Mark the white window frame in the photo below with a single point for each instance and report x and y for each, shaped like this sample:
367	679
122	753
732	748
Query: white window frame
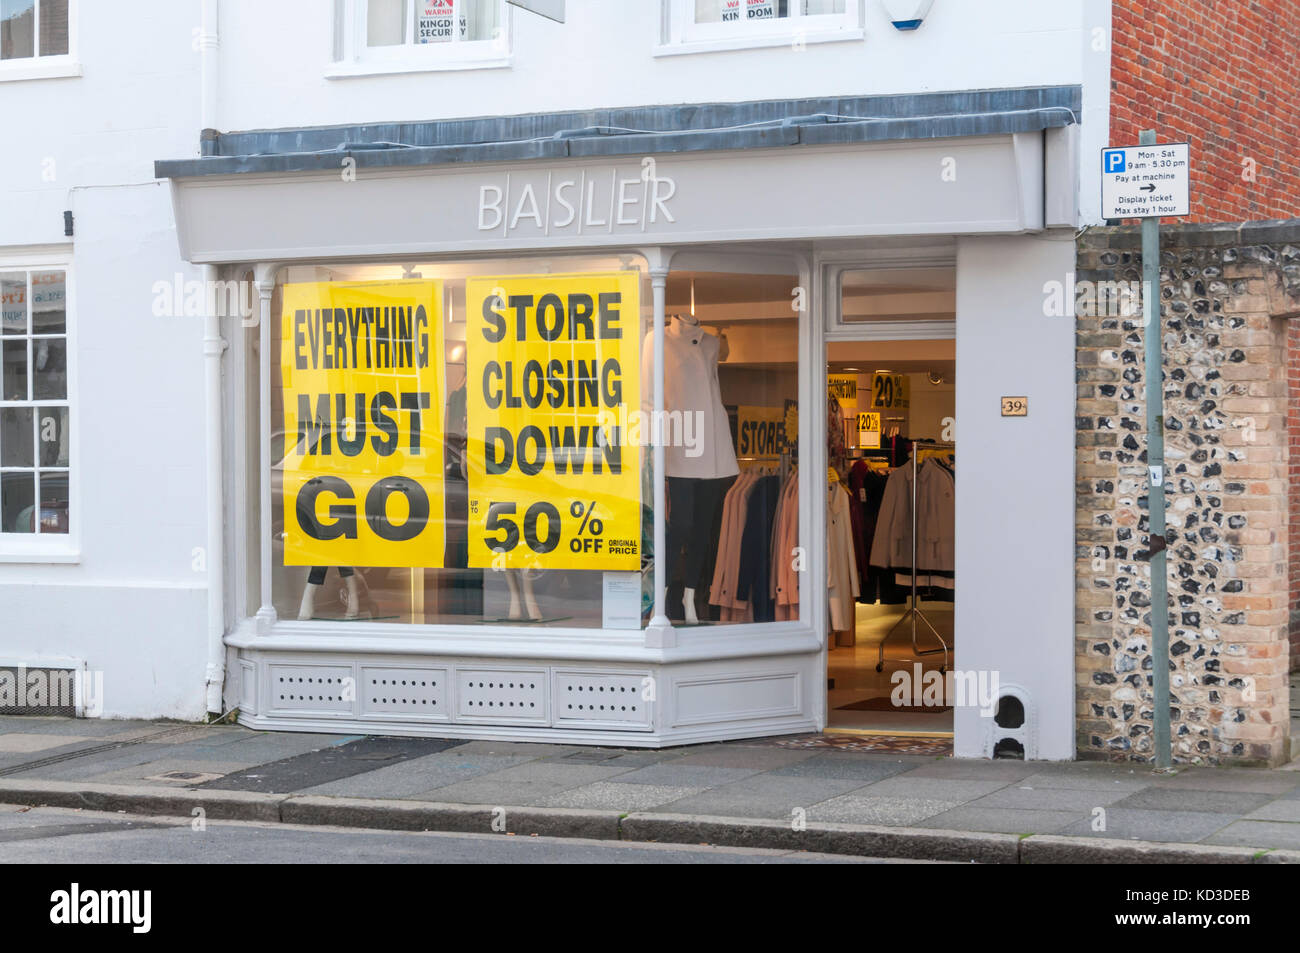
45	67
351	56
52	547
681	34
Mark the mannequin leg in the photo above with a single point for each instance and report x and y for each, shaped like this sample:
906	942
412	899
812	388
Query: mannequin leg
688	604
530	598
350	581
512	580
314	580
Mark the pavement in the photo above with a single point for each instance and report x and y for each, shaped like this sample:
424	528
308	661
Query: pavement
821	794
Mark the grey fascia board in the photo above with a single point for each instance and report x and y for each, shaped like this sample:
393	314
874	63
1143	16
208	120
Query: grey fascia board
689	128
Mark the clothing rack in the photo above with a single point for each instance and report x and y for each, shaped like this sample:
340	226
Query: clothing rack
914	612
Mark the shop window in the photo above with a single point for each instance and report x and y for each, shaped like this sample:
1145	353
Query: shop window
725	24
35	411
471	444
413	35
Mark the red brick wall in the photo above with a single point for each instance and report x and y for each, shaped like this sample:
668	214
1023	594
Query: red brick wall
1223	75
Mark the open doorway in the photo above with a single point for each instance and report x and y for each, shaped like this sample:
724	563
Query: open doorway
891	449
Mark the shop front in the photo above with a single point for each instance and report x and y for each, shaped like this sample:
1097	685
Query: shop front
541	443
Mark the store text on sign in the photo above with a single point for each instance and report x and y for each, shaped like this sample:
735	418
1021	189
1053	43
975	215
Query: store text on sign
552	365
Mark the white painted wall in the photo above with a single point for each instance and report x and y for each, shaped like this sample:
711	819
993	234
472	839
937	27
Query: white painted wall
1015	483
133	606
604	56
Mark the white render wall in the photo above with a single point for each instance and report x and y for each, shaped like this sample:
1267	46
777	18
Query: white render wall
133	607
1015	484
603	55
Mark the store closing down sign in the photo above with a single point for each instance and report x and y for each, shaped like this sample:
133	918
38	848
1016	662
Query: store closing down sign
844	388
361	366
760	434
868	430
1146	181
554	377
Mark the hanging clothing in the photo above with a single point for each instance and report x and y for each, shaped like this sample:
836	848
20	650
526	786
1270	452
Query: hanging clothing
754	581
722	591
935	551
785	578
841	572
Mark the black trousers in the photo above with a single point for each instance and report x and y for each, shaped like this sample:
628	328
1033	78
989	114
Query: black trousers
317	574
694	510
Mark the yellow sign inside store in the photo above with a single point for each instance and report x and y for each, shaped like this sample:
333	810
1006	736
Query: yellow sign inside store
890	392
361	369
760	434
554	394
844	388
868	430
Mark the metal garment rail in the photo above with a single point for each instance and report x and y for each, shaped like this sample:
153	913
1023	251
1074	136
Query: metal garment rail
914	611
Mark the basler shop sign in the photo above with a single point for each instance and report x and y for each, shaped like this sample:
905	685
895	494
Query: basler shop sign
554	480
361	366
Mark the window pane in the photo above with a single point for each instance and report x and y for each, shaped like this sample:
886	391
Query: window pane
50	359
54	27
483	19
54	502
434	18
384	22
13	381
17	502
735	11
451	584
52	436
49	302
16	437
13	301
17	29
898	294
815	8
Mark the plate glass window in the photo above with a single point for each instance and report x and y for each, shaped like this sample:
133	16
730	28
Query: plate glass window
35	462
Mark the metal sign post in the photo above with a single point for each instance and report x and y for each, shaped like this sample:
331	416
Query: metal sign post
1147	182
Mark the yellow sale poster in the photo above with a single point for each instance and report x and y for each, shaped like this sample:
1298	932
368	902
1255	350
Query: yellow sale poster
554	383
361	367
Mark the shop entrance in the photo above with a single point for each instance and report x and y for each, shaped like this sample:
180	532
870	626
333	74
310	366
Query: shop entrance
890	368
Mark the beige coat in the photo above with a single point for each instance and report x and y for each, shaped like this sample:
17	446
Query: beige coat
841	565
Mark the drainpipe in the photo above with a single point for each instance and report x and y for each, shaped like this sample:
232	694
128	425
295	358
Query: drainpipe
213	348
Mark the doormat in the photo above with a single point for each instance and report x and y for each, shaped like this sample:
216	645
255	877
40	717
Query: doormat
884	703
891	744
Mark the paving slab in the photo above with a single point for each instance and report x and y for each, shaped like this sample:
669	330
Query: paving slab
614	796
1234	803
1125	823
526	784
1244	833
672	774
847	769
889	811
418	777
28	742
1282	809
938	789
299	772
764	759
1048	799
1126	782
966	769
145	772
1001	820
1246	780
762	796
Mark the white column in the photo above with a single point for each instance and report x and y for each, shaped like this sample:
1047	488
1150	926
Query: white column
660	632
265	284
213	348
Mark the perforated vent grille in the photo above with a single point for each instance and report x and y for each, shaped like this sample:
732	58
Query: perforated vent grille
501	695
600	699
418	692
313	688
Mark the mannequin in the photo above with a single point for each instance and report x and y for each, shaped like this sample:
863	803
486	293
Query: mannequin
699	459
315	579
521	588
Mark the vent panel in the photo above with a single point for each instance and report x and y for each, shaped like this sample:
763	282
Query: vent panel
420	693
312	688
599	700
517	695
